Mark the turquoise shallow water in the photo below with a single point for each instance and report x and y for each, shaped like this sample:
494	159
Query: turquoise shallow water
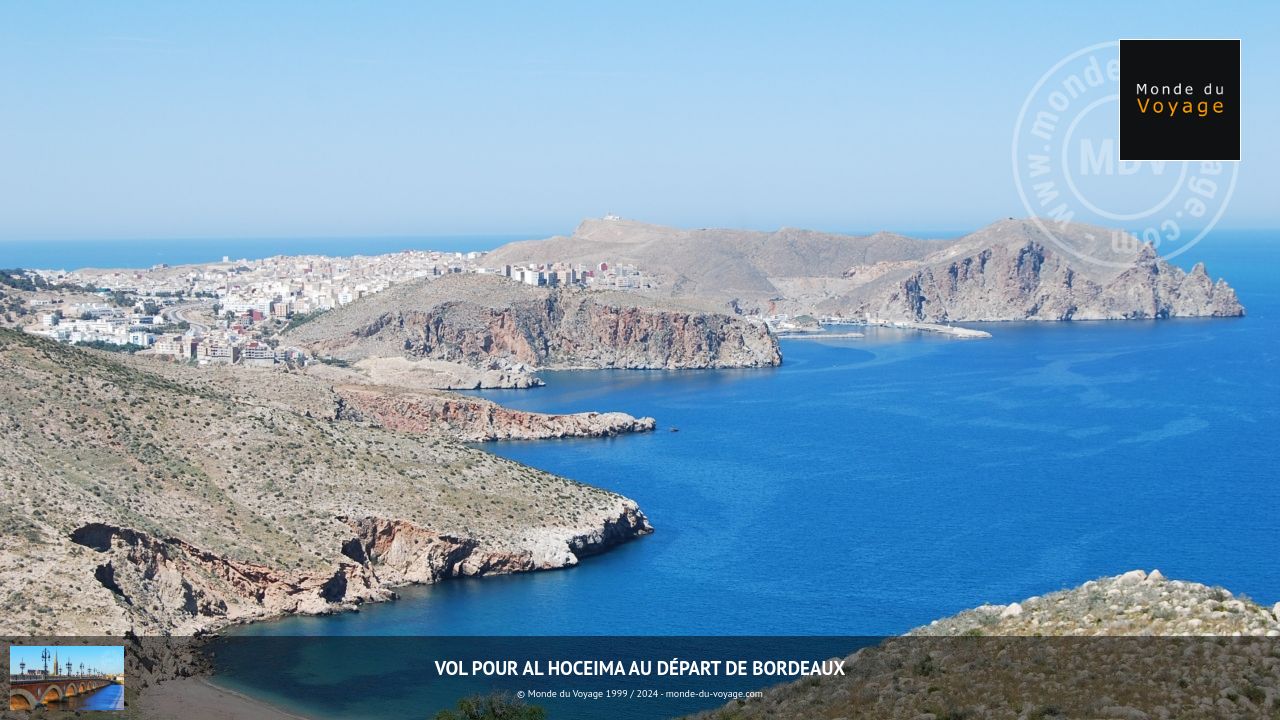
869	486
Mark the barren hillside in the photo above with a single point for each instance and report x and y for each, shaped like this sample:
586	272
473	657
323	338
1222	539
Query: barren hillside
1135	646
1009	270
167	499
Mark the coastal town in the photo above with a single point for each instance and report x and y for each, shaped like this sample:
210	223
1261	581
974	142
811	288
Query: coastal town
230	311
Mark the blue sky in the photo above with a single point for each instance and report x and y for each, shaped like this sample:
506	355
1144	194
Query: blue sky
108	659
229	119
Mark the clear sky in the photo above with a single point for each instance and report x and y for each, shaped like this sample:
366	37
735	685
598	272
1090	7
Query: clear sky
229	119
108	659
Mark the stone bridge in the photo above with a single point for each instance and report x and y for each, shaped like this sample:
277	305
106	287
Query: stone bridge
28	693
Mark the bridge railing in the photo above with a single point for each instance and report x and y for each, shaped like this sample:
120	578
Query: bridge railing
56	678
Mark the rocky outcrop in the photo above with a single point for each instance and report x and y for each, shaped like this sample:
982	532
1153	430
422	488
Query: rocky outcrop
477	320
474	419
581	334
397	552
172	583
1136	645
1011	271
1134	603
168	582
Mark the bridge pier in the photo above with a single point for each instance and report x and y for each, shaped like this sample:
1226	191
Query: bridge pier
27	694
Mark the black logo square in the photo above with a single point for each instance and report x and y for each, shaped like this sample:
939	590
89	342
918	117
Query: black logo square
1179	99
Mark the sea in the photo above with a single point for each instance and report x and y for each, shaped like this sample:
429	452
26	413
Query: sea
866	487
75	254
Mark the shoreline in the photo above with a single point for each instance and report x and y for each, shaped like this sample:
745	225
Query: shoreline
200	698
939	328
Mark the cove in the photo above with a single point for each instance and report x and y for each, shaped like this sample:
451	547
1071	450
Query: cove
869	486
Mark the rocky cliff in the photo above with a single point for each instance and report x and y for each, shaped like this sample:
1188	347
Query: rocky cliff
396	552
477	320
1133	646
473	419
172	584
190	499
1011	271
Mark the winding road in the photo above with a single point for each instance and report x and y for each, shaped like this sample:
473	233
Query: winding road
177	314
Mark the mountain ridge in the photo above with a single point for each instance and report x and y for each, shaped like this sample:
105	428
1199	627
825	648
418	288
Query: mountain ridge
1008	270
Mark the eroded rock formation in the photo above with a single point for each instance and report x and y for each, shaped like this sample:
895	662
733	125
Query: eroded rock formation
474	419
479	319
1029	279
171	583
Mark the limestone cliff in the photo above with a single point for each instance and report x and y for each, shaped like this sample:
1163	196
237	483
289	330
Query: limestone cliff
481	319
170	583
396	552
474	419
1011	271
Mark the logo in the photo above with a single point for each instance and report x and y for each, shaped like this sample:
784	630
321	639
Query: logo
1068	169
1180	100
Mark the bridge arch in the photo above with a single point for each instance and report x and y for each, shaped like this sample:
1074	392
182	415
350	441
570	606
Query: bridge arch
20	699
52	694
70	689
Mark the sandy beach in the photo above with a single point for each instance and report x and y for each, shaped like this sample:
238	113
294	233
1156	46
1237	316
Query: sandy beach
199	699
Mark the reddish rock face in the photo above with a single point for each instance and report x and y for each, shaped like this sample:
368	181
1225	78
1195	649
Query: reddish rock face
537	328
578	332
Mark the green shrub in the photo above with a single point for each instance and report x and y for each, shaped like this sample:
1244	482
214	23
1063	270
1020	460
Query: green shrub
492	707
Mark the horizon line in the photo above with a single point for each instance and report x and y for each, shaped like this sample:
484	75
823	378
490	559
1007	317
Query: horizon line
917	232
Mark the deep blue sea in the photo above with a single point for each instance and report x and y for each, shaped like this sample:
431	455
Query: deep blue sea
869	486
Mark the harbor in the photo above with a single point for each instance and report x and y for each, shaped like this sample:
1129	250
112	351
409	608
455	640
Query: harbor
819	335
951	330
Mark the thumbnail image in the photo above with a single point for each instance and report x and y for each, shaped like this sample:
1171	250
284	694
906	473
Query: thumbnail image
66	677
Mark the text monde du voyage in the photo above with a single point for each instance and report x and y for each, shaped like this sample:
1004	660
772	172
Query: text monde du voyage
674	667
1181	99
